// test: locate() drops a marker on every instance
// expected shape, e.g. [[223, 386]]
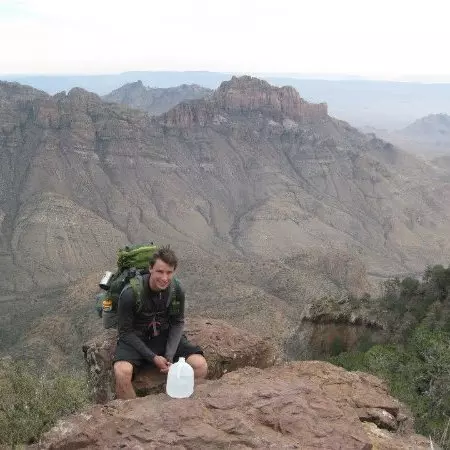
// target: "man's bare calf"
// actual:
[[123, 371]]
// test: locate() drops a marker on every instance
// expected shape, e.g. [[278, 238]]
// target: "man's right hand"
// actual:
[[161, 363]]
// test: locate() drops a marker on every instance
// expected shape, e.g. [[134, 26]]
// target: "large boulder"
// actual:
[[307, 405], [226, 349]]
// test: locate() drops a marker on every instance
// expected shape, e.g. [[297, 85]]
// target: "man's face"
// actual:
[[160, 275]]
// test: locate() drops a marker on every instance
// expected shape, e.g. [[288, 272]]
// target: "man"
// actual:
[[153, 334]]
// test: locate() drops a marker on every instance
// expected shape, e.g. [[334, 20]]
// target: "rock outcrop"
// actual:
[[226, 349], [329, 326], [307, 405], [243, 95], [15, 103], [248, 93]]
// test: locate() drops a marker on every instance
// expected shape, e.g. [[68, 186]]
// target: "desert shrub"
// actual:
[[31, 403], [337, 346], [416, 360], [418, 373]]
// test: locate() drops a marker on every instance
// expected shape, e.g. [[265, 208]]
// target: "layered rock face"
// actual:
[[246, 95], [307, 405]]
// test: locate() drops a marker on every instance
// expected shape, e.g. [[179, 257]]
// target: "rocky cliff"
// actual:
[[330, 326], [246, 95]]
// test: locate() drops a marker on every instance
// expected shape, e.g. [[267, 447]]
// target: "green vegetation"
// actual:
[[416, 361], [31, 403]]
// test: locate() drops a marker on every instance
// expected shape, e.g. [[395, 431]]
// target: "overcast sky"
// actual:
[[374, 38]]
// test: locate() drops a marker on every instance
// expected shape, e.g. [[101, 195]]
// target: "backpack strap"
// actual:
[[173, 288], [137, 284], [174, 305]]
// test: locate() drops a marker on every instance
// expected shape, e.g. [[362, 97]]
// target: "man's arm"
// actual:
[[176, 327], [125, 312]]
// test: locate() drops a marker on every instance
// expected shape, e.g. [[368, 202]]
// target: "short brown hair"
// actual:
[[165, 254]]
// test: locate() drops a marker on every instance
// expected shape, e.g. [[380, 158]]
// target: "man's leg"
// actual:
[[125, 361], [199, 364], [123, 371], [194, 357]]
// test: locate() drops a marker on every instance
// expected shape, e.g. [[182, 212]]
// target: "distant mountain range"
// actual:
[[155, 100], [428, 136], [433, 128], [379, 104]]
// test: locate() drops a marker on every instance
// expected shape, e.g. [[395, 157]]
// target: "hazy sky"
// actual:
[[376, 38]]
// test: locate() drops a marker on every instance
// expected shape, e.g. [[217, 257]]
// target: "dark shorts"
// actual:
[[124, 352]]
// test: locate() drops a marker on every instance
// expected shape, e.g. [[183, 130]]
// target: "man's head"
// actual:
[[162, 267]]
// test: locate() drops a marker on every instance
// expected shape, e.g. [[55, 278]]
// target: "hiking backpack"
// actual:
[[132, 265]]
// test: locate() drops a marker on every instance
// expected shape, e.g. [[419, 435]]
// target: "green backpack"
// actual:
[[132, 265]]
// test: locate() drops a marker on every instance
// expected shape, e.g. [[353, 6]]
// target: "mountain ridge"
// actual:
[[267, 208], [81, 99], [155, 101], [380, 104], [245, 95]]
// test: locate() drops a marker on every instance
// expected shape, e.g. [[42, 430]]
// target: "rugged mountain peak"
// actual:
[[136, 84], [16, 103], [250, 87], [17, 91], [247, 94], [77, 99], [244, 81], [134, 88], [80, 94]]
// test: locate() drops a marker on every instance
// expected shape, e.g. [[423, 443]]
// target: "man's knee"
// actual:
[[123, 371], [199, 364]]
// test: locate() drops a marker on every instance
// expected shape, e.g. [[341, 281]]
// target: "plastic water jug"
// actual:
[[180, 380]]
